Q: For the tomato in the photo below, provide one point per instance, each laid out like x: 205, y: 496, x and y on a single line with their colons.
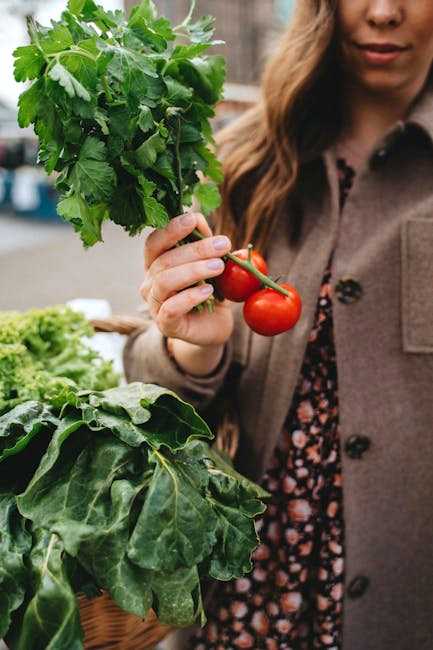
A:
x: 269, y: 312
x: 236, y: 283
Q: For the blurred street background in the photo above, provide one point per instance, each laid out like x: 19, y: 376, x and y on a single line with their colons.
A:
x: 42, y: 261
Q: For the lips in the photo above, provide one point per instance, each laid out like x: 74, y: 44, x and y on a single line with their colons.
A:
x: 380, y: 54
x: 381, y: 48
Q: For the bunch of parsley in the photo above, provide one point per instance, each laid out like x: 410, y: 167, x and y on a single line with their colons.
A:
x: 121, y: 109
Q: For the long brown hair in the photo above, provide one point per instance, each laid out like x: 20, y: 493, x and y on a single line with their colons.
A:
x: 295, y: 120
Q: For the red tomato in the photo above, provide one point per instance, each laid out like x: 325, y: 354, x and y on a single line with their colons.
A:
x: 269, y: 312
x: 236, y: 283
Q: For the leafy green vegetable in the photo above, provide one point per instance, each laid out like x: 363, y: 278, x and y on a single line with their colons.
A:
x: 121, y: 109
x: 143, y: 509
x: 43, y: 356
x: 51, y: 618
x: 15, y: 542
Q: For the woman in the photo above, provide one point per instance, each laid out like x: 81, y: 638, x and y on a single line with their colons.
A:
x: 332, y: 177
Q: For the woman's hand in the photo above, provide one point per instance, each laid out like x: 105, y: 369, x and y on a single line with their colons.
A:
x: 171, y: 272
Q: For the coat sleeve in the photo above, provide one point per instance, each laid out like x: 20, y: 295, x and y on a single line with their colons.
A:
x: 146, y: 359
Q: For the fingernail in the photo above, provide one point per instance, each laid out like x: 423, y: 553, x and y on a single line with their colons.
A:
x: 220, y: 243
x: 187, y: 220
x: 215, y: 264
x: 206, y: 289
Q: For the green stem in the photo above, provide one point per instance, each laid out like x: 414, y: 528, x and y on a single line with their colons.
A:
x: 106, y: 88
x: 187, y: 19
x: 250, y: 252
x: 178, y: 166
x: 248, y: 266
x: 77, y: 51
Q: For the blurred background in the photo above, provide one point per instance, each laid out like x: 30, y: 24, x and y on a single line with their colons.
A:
x: 42, y: 261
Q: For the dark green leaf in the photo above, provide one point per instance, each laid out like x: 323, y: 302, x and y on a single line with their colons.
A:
x: 119, y: 118
x: 178, y: 599
x: 165, y: 418
x: 51, y: 619
x: 21, y: 424
x: 15, y: 543
x: 176, y: 525
x: 51, y: 474
x: 147, y: 153
x: 164, y: 167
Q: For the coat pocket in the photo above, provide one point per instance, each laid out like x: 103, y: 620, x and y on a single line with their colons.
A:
x: 417, y: 285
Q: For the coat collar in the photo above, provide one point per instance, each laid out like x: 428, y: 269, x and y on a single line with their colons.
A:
x: 421, y: 114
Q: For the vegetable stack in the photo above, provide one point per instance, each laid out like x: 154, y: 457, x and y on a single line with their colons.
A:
x: 121, y: 109
x: 114, y: 489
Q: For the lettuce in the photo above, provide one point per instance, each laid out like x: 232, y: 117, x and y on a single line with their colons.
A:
x: 42, y: 356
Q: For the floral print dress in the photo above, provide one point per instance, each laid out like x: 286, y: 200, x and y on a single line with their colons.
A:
x: 293, y: 598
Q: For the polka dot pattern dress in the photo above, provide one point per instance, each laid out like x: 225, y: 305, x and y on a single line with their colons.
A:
x: 293, y: 598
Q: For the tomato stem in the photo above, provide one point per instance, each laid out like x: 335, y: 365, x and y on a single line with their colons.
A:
x: 248, y: 266
x: 250, y: 252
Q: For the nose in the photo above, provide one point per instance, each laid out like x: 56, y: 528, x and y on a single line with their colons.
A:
x: 384, y: 13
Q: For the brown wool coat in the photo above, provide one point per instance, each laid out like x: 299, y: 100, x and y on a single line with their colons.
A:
x: 384, y: 349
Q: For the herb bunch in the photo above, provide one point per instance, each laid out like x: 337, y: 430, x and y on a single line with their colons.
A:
x: 121, y: 109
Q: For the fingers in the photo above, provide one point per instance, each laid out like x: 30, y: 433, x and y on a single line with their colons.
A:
x: 164, y: 239
x: 171, y: 317
x: 201, y: 250
x: 157, y: 288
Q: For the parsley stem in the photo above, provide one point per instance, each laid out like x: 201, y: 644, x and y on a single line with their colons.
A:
x: 76, y: 50
x: 187, y: 19
x: 248, y: 266
x: 106, y: 88
x: 178, y: 165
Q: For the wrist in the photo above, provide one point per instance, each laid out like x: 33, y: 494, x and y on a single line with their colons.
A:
x: 198, y: 360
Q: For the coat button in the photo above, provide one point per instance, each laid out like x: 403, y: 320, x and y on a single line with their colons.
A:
x: 356, y: 446
x: 379, y: 157
x: 358, y: 586
x: 348, y: 290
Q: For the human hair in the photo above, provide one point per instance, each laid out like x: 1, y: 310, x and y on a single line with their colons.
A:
x: 296, y: 118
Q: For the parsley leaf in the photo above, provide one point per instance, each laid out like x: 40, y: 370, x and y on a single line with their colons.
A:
x: 91, y: 175
x: 70, y: 83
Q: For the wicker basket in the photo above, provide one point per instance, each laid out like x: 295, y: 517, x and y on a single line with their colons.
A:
x: 105, y: 624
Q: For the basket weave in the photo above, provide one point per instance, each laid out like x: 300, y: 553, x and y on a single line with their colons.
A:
x: 105, y: 624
